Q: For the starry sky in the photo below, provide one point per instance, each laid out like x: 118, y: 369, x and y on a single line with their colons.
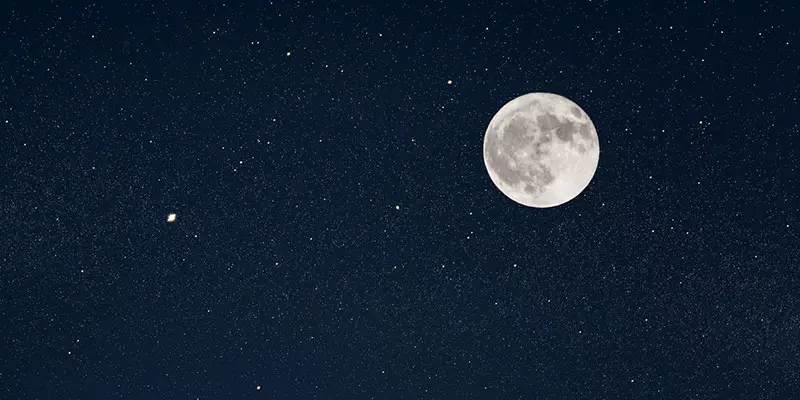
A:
x: 336, y: 234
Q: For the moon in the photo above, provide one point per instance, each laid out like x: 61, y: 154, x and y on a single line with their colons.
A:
x: 541, y: 150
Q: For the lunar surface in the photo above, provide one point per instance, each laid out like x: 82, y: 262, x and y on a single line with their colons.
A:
x: 541, y: 150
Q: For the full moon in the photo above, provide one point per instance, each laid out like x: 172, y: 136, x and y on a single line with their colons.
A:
x: 541, y: 150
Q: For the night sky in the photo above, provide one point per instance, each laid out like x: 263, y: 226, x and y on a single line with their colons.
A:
x: 336, y: 233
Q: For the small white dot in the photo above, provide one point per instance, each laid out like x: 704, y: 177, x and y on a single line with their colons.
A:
x: 258, y: 387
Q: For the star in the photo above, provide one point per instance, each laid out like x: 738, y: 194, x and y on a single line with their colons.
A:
x: 171, y: 217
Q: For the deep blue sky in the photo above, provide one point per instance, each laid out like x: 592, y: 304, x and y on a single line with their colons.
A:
x: 285, y: 135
